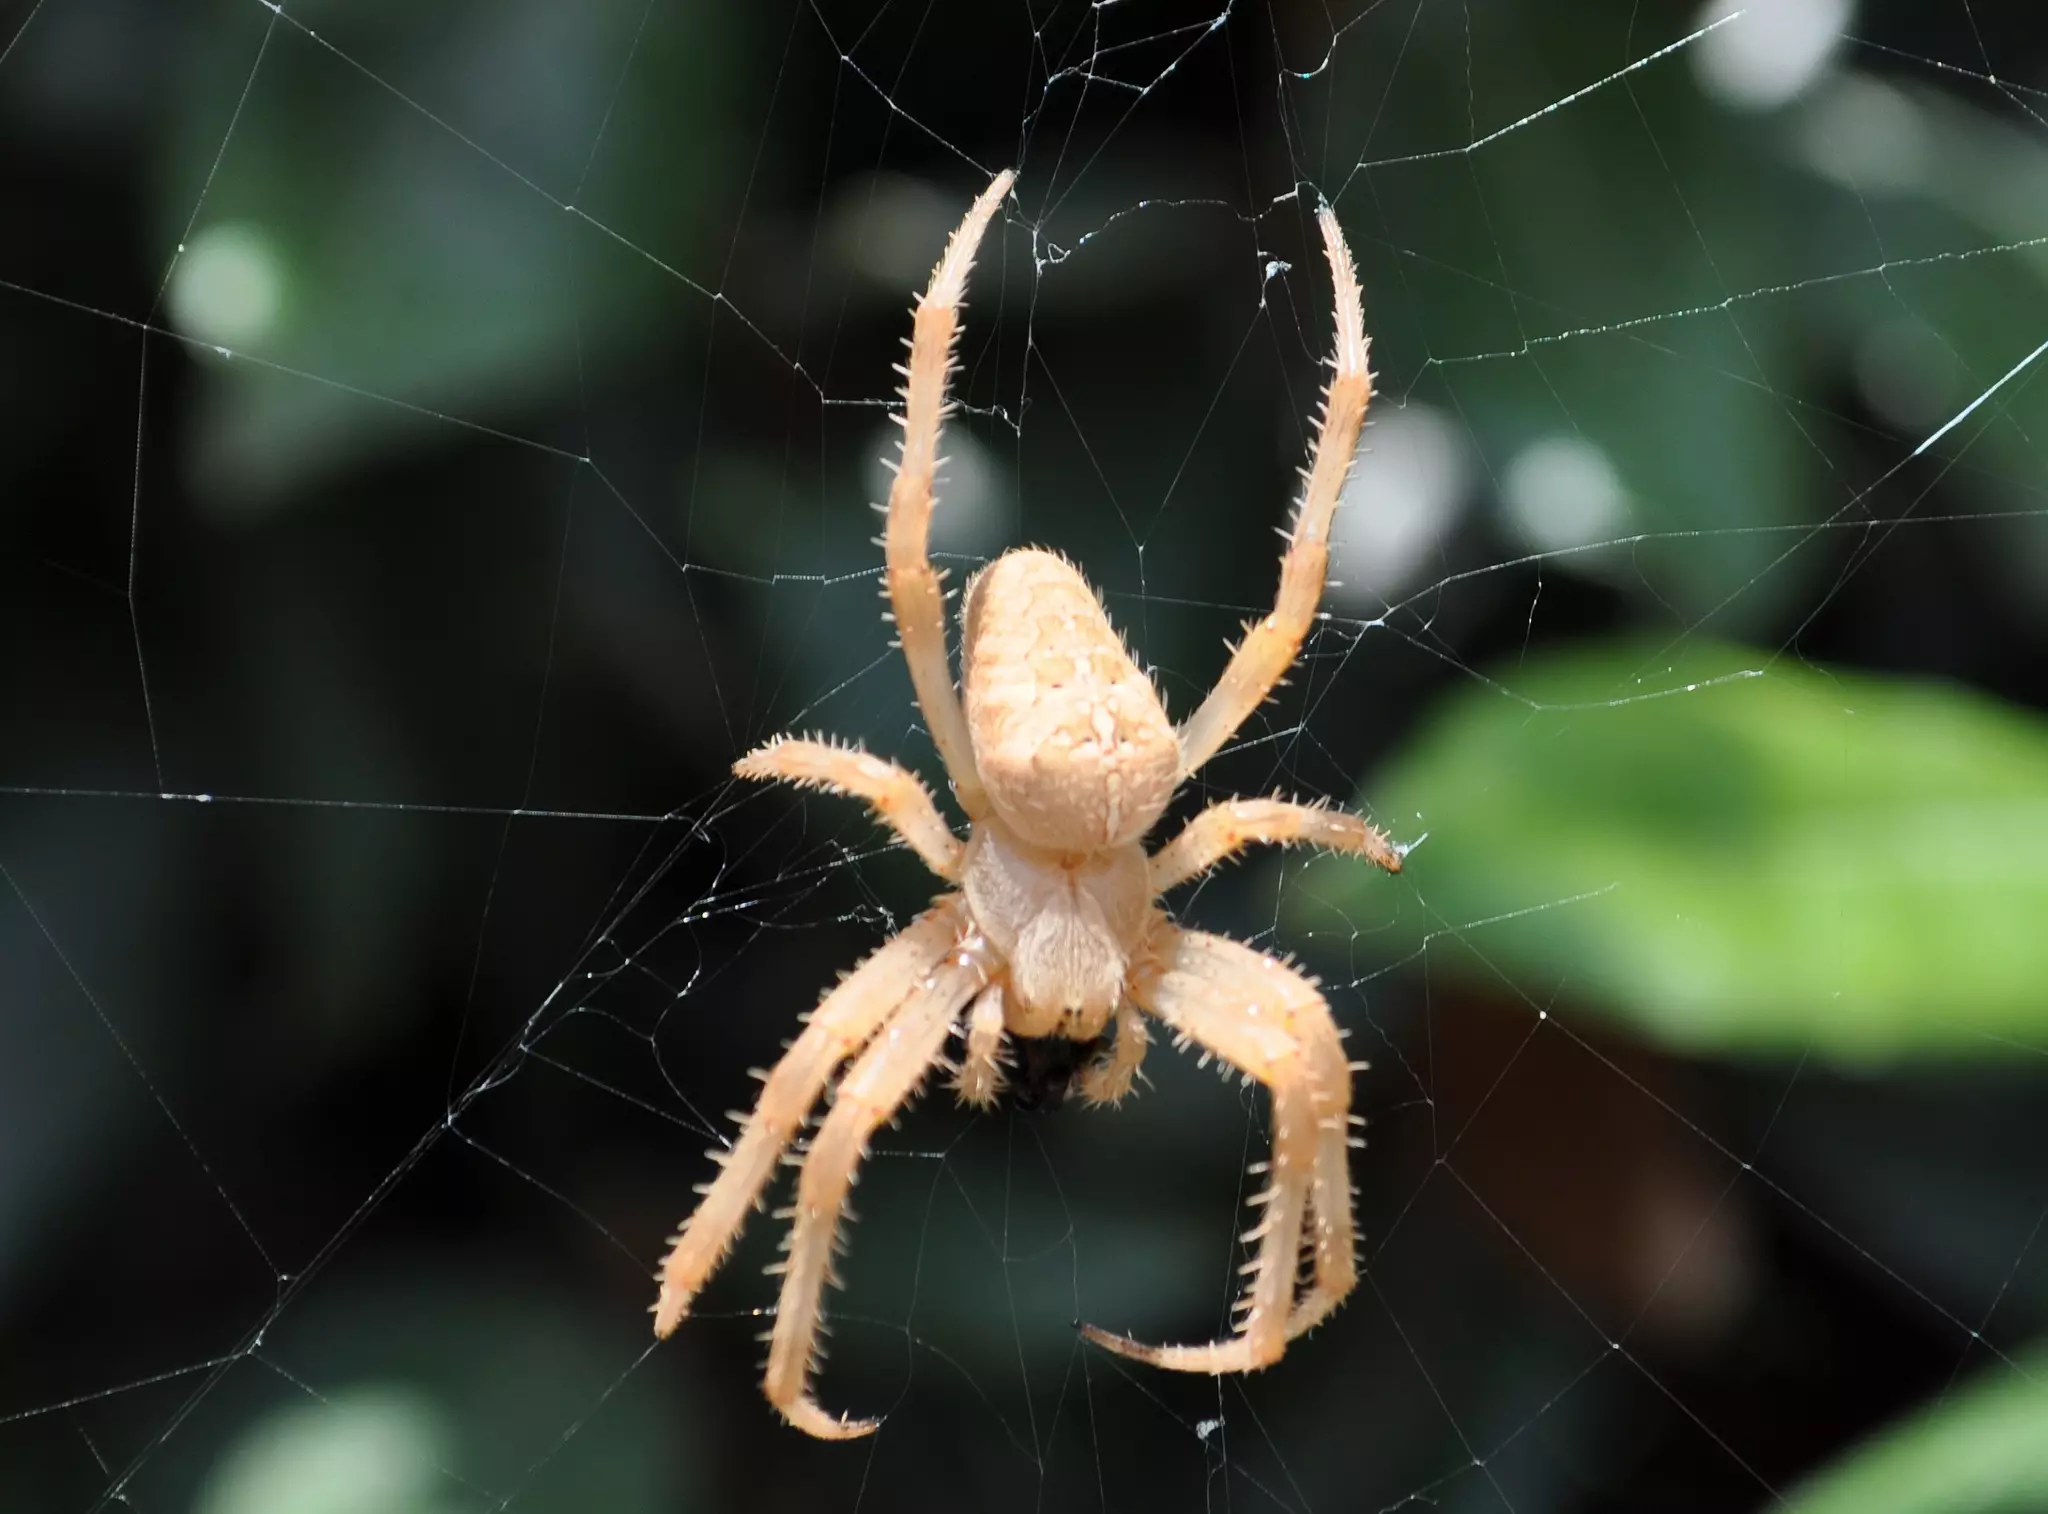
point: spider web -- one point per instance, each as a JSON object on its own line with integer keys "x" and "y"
{"x": 440, "y": 442}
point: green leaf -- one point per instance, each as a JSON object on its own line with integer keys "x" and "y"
{"x": 1729, "y": 851}
{"x": 1978, "y": 1451}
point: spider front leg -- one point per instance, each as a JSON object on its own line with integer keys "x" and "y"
{"x": 898, "y": 797}
{"x": 1270, "y": 646}
{"x": 1223, "y": 830}
{"x": 879, "y": 1083}
{"x": 1262, "y": 1017}
{"x": 842, "y": 1023}
{"x": 916, "y": 595}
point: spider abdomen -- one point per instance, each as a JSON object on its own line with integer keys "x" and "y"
{"x": 1068, "y": 733}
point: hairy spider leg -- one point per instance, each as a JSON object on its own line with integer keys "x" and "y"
{"x": 1271, "y": 645}
{"x": 1265, "y": 1019}
{"x": 1237, "y": 974}
{"x": 896, "y": 795}
{"x": 1241, "y": 975}
{"x": 844, "y": 1021}
{"x": 884, "y": 1078}
{"x": 1229, "y": 826}
{"x": 980, "y": 1075}
{"x": 916, "y": 592}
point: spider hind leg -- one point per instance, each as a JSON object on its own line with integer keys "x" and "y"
{"x": 1263, "y": 1018}
{"x": 842, "y": 1023}
{"x": 882, "y": 1080}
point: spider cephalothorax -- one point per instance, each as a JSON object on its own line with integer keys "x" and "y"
{"x": 1063, "y": 758}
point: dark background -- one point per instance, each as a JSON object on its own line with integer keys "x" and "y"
{"x": 348, "y": 1089}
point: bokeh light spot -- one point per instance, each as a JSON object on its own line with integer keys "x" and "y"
{"x": 1771, "y": 52}
{"x": 229, "y": 285}
{"x": 1411, "y": 483}
{"x": 1562, "y": 493}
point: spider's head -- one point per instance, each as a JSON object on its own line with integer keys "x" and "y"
{"x": 1072, "y": 743}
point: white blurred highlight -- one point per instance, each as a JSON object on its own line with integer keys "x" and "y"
{"x": 1563, "y": 493}
{"x": 362, "y": 1450}
{"x": 890, "y": 227}
{"x": 1775, "y": 50}
{"x": 971, "y": 517}
{"x": 228, "y": 287}
{"x": 1866, "y": 135}
{"x": 1410, "y": 485}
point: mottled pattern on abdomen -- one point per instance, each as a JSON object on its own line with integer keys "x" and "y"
{"x": 1073, "y": 746}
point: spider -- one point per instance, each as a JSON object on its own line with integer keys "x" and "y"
{"x": 1063, "y": 758}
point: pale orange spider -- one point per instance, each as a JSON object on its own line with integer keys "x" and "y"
{"x": 1063, "y": 759}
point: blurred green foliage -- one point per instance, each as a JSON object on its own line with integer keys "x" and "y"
{"x": 430, "y": 269}
{"x": 1684, "y": 286}
{"x": 642, "y": 242}
{"x": 431, "y": 1393}
{"x": 1982, "y": 1448}
{"x": 1729, "y": 852}
{"x": 1738, "y": 854}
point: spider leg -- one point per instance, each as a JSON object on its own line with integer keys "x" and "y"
{"x": 980, "y": 1077}
{"x": 1108, "y": 1080}
{"x": 1332, "y": 1232}
{"x": 1271, "y": 645}
{"x": 915, "y": 592}
{"x": 842, "y": 1023}
{"x": 1264, "y": 1018}
{"x": 898, "y": 797}
{"x": 1223, "y": 830}
{"x": 882, "y": 1079}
